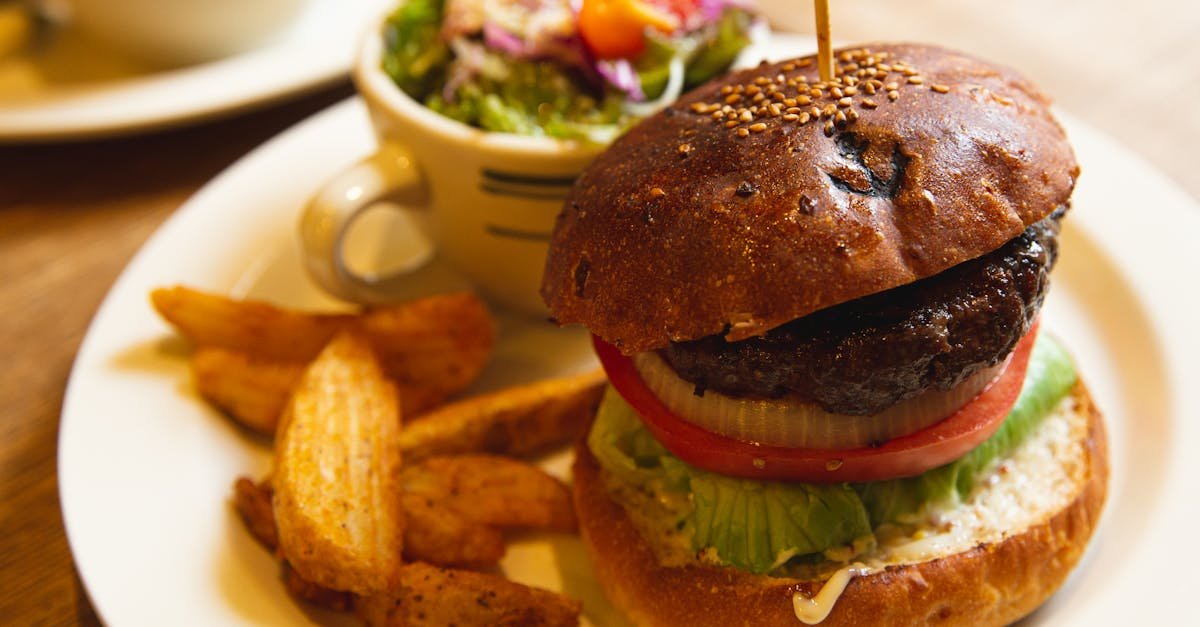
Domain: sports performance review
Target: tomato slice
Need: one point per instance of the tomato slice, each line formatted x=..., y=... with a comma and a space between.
x=614, y=29
x=906, y=456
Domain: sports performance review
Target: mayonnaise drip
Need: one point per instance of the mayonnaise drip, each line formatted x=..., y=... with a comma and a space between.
x=813, y=610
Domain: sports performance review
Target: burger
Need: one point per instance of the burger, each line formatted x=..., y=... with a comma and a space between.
x=817, y=305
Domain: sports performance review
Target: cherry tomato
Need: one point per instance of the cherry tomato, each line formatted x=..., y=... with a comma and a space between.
x=906, y=456
x=615, y=29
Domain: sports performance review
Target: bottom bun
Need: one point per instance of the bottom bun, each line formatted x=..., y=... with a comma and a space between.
x=992, y=582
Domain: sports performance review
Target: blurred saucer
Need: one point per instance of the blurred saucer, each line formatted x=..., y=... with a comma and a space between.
x=57, y=84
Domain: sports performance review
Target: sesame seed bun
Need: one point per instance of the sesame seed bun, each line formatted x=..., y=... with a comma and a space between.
x=990, y=581
x=694, y=224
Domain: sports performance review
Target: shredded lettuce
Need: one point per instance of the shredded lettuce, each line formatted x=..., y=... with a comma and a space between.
x=547, y=83
x=759, y=525
x=416, y=55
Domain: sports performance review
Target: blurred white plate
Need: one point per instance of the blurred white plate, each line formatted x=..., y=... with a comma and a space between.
x=59, y=85
x=145, y=467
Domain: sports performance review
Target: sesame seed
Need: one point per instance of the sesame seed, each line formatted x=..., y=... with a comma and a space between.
x=909, y=71
x=836, y=92
x=804, y=62
x=759, y=97
x=852, y=115
x=803, y=101
x=774, y=109
x=732, y=98
x=892, y=95
x=685, y=149
x=746, y=116
x=657, y=192
x=840, y=118
x=815, y=92
x=778, y=96
x=794, y=110
x=717, y=115
x=829, y=110
x=941, y=89
x=892, y=86
x=804, y=118
x=845, y=102
x=791, y=117
x=758, y=128
x=867, y=103
x=788, y=67
x=699, y=107
x=883, y=67
x=915, y=80
x=851, y=90
x=762, y=80
x=741, y=132
x=779, y=78
x=815, y=111
x=726, y=90
x=829, y=128
x=731, y=123
x=789, y=102
x=869, y=88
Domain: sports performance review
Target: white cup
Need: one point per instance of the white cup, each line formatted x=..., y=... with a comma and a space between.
x=174, y=32
x=485, y=201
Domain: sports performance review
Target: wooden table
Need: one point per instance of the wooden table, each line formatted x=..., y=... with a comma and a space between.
x=72, y=215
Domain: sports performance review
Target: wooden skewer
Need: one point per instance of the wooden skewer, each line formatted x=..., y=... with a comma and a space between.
x=824, y=53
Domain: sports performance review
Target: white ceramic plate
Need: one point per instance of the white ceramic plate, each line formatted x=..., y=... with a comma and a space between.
x=145, y=467
x=69, y=88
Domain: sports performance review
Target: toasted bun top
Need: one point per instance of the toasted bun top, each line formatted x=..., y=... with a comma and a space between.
x=691, y=225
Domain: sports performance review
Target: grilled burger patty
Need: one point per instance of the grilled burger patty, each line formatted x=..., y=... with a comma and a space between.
x=862, y=356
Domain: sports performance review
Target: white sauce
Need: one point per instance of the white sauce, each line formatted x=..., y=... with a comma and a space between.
x=814, y=610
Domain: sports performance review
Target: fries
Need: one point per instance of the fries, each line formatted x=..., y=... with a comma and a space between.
x=431, y=347
x=336, y=477
x=493, y=490
x=250, y=354
x=338, y=511
x=441, y=536
x=429, y=595
x=253, y=502
x=517, y=421
x=252, y=389
x=246, y=326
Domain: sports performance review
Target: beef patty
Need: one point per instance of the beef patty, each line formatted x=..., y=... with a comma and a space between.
x=862, y=356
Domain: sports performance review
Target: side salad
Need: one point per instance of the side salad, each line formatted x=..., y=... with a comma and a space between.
x=569, y=69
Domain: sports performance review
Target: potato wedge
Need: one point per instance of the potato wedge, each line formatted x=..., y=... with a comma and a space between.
x=429, y=595
x=253, y=502
x=243, y=325
x=309, y=592
x=253, y=390
x=517, y=421
x=336, y=476
x=432, y=347
x=438, y=535
x=492, y=490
